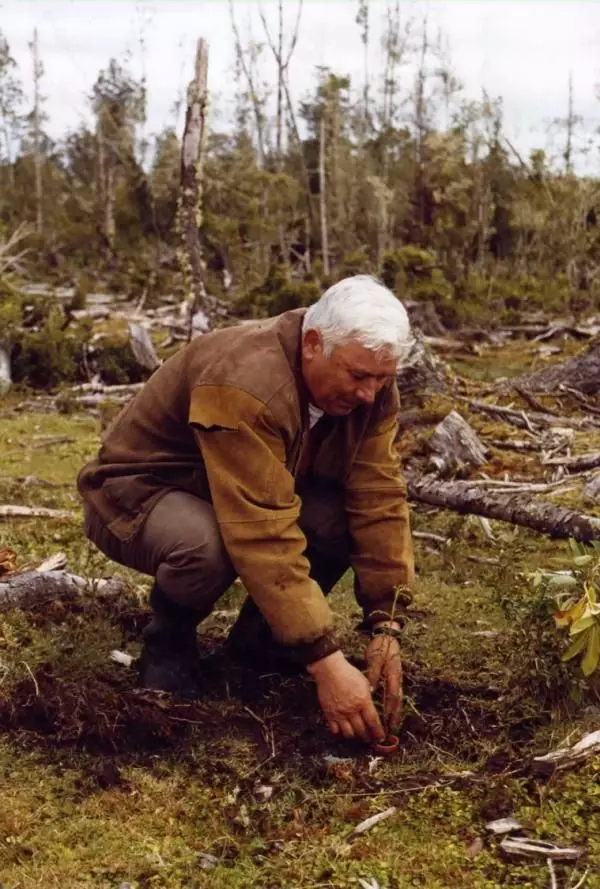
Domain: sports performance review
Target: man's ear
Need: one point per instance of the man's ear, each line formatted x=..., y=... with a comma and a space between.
x=312, y=345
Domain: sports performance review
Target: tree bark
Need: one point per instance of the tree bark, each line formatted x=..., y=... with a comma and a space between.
x=456, y=445
x=190, y=204
x=323, y=196
x=37, y=75
x=460, y=496
x=35, y=588
x=581, y=373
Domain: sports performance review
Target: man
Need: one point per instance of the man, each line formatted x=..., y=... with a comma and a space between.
x=266, y=450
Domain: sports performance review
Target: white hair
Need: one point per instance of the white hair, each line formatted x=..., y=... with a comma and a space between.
x=361, y=309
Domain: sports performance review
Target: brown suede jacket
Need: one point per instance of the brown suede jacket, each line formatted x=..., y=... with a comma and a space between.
x=225, y=419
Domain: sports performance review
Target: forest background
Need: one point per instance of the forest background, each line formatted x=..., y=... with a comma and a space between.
x=398, y=173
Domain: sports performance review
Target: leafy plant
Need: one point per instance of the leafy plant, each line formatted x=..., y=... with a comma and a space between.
x=576, y=594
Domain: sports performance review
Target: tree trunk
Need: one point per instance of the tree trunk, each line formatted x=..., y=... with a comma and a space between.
x=37, y=75
x=5, y=370
x=460, y=496
x=323, y=196
x=581, y=373
x=35, y=588
x=190, y=202
x=456, y=446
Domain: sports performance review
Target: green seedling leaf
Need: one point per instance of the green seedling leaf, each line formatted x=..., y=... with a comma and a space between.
x=575, y=547
x=576, y=647
x=579, y=626
x=581, y=561
x=589, y=662
x=571, y=611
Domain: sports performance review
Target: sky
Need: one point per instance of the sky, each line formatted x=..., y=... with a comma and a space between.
x=521, y=50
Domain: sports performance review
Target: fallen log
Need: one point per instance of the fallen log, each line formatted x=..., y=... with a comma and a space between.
x=465, y=498
x=34, y=588
x=575, y=464
x=9, y=511
x=581, y=372
x=528, y=420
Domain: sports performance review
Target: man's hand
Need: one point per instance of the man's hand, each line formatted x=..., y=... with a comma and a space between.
x=384, y=661
x=345, y=698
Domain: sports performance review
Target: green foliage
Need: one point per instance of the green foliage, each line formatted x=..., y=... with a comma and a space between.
x=45, y=356
x=278, y=293
x=579, y=608
x=413, y=274
x=116, y=363
x=563, y=599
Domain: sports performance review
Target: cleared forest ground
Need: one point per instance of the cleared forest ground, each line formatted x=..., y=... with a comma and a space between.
x=103, y=785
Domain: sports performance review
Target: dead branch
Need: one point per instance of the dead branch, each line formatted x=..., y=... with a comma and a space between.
x=34, y=588
x=581, y=373
x=528, y=420
x=466, y=498
x=9, y=511
x=575, y=464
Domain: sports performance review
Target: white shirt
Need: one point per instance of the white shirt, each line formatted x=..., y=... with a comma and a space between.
x=314, y=415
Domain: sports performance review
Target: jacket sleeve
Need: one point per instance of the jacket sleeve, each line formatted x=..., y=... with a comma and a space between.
x=257, y=510
x=377, y=510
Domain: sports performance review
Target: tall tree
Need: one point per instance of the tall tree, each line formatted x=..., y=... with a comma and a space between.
x=118, y=102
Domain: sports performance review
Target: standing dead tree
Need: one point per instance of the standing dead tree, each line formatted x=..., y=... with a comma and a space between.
x=283, y=60
x=37, y=149
x=247, y=62
x=190, y=200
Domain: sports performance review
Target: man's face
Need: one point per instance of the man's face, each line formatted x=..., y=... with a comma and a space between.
x=352, y=375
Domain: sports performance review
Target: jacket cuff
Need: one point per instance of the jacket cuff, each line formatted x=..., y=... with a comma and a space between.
x=390, y=607
x=309, y=652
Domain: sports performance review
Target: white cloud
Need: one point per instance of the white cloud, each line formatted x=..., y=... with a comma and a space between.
x=522, y=50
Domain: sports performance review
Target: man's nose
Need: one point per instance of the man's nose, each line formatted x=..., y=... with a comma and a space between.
x=368, y=392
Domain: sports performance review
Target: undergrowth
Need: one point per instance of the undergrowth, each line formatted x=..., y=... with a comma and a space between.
x=102, y=785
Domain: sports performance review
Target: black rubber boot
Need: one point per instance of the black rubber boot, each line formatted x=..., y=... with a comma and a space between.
x=169, y=657
x=251, y=643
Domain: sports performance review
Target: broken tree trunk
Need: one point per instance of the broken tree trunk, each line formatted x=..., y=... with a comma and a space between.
x=5, y=372
x=456, y=446
x=463, y=497
x=420, y=375
x=142, y=347
x=581, y=373
x=190, y=201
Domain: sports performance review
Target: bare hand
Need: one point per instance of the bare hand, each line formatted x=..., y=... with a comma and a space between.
x=345, y=698
x=385, y=666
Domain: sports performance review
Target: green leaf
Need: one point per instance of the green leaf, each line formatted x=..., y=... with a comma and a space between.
x=589, y=662
x=575, y=647
x=580, y=561
x=588, y=620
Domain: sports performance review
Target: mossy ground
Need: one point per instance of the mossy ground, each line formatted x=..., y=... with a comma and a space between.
x=102, y=785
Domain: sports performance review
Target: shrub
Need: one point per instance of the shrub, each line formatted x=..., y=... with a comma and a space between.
x=278, y=293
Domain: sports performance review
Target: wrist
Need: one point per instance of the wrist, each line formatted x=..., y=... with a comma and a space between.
x=386, y=623
x=325, y=665
x=389, y=628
